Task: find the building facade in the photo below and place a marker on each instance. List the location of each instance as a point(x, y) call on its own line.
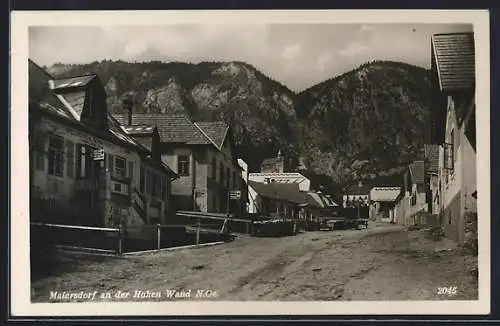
point(84, 167)
point(276, 200)
point(202, 154)
point(454, 78)
point(382, 203)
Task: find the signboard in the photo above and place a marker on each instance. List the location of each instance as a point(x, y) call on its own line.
point(235, 194)
point(98, 154)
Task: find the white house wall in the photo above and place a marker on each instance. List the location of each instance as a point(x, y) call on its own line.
point(63, 188)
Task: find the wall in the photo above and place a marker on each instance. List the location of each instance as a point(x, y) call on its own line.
point(459, 184)
point(62, 188)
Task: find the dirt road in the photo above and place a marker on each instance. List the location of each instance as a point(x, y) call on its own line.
point(378, 263)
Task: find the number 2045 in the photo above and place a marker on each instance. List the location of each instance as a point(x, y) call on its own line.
point(447, 290)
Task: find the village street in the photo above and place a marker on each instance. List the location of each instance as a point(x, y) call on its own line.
point(383, 262)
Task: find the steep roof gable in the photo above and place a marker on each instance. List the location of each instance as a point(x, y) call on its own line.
point(171, 128)
point(454, 58)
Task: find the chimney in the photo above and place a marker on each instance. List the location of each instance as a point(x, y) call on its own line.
point(128, 106)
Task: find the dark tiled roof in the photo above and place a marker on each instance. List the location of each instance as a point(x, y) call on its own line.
point(432, 158)
point(417, 172)
point(455, 60)
point(279, 191)
point(216, 131)
point(171, 128)
point(79, 81)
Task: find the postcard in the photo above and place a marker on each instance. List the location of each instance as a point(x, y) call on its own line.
point(250, 163)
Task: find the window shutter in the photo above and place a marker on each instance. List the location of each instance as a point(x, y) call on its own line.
point(110, 163)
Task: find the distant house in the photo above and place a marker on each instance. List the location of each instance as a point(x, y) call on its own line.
point(280, 177)
point(85, 167)
point(278, 164)
point(319, 204)
point(382, 203)
point(433, 166)
point(356, 193)
point(202, 154)
point(453, 71)
point(276, 200)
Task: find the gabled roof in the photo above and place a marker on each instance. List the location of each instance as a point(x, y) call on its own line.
point(171, 128)
point(216, 131)
point(454, 57)
point(432, 158)
point(417, 172)
point(59, 106)
point(384, 194)
point(279, 191)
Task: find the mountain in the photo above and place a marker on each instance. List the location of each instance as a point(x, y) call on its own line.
point(260, 110)
point(366, 123)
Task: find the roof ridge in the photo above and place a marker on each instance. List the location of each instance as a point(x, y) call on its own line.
point(38, 66)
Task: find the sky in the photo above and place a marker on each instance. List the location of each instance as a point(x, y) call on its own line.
point(297, 55)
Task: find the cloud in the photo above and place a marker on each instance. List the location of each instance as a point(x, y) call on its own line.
point(353, 49)
point(323, 60)
point(292, 52)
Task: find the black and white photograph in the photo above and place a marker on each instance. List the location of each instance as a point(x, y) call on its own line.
point(251, 158)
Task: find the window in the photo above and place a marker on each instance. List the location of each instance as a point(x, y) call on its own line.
point(118, 187)
point(131, 170)
point(120, 166)
point(183, 165)
point(70, 159)
point(56, 151)
point(142, 179)
point(214, 168)
point(39, 152)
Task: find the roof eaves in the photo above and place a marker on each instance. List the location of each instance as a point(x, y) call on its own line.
point(207, 137)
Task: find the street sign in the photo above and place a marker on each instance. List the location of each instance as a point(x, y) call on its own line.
point(99, 154)
point(235, 194)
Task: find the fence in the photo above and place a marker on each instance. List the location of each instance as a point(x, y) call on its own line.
point(119, 240)
point(214, 221)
